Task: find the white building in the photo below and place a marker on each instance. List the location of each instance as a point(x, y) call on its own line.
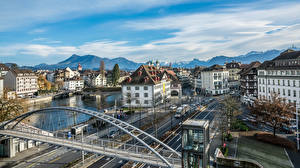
point(1, 87)
point(23, 81)
point(281, 76)
point(98, 80)
point(69, 73)
point(74, 84)
point(148, 86)
point(214, 80)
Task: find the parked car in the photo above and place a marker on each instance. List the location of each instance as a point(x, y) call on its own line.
point(173, 107)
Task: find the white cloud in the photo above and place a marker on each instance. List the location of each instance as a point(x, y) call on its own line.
point(16, 14)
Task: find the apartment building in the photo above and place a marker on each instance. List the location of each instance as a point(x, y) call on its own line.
point(234, 76)
point(215, 80)
point(74, 84)
point(22, 81)
point(281, 76)
point(148, 86)
point(248, 80)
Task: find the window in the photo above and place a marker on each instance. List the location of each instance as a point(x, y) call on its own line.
point(278, 82)
point(273, 90)
point(295, 93)
point(263, 81)
point(268, 81)
point(289, 92)
point(145, 94)
point(128, 87)
point(294, 83)
point(145, 87)
point(259, 89)
point(137, 95)
point(288, 82)
point(259, 81)
point(137, 101)
point(273, 82)
point(264, 89)
point(269, 90)
point(146, 102)
point(283, 92)
point(137, 88)
point(278, 91)
point(283, 84)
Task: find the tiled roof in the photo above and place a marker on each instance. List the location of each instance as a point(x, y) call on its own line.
point(250, 66)
point(145, 75)
point(215, 67)
point(3, 67)
point(288, 54)
point(27, 72)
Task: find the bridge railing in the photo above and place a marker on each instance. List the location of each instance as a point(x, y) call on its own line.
point(105, 145)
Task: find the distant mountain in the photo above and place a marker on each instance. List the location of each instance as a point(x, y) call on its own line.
point(245, 59)
point(90, 62)
point(93, 62)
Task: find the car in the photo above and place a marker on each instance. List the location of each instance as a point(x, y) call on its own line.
point(173, 107)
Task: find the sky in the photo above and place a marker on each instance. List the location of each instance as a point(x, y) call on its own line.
point(49, 31)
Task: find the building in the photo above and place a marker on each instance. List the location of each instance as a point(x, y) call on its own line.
point(69, 73)
point(1, 88)
point(195, 143)
point(234, 76)
point(74, 84)
point(22, 81)
point(183, 76)
point(3, 70)
point(196, 81)
point(148, 86)
point(248, 80)
point(79, 67)
point(98, 80)
point(176, 88)
point(214, 80)
point(281, 76)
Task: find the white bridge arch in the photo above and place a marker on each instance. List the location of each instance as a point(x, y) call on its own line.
point(6, 129)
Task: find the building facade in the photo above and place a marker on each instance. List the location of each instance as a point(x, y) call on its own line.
point(98, 80)
point(3, 70)
point(22, 81)
point(215, 80)
point(281, 76)
point(148, 86)
point(234, 76)
point(74, 84)
point(1, 88)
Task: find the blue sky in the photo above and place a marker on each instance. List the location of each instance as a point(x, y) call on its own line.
point(49, 31)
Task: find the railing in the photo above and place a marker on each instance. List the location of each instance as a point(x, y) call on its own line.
point(95, 145)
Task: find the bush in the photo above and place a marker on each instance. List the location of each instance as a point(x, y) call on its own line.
point(240, 126)
point(275, 140)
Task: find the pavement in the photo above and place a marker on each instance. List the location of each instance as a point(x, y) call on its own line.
point(25, 155)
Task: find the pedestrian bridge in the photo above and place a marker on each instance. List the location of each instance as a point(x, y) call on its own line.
point(145, 153)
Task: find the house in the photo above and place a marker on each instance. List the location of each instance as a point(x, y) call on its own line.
point(148, 86)
point(3, 70)
point(248, 80)
point(97, 80)
point(281, 76)
point(69, 73)
point(214, 80)
point(196, 81)
point(22, 81)
point(73, 84)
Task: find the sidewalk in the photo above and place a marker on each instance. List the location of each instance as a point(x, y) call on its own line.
point(25, 155)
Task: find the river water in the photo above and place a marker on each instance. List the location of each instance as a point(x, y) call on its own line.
point(55, 120)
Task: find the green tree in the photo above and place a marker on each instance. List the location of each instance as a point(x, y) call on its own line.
point(9, 109)
point(115, 75)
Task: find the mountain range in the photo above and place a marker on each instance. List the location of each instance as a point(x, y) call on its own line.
point(93, 62)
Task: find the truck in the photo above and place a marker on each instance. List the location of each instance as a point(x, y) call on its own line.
point(181, 111)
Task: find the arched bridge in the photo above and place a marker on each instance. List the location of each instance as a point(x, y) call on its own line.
point(160, 157)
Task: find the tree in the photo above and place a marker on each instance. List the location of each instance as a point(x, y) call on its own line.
point(275, 112)
point(231, 110)
point(9, 109)
point(115, 75)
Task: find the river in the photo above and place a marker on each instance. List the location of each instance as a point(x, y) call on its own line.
point(55, 120)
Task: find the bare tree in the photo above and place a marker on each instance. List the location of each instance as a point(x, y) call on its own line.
point(231, 110)
point(9, 109)
point(275, 112)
